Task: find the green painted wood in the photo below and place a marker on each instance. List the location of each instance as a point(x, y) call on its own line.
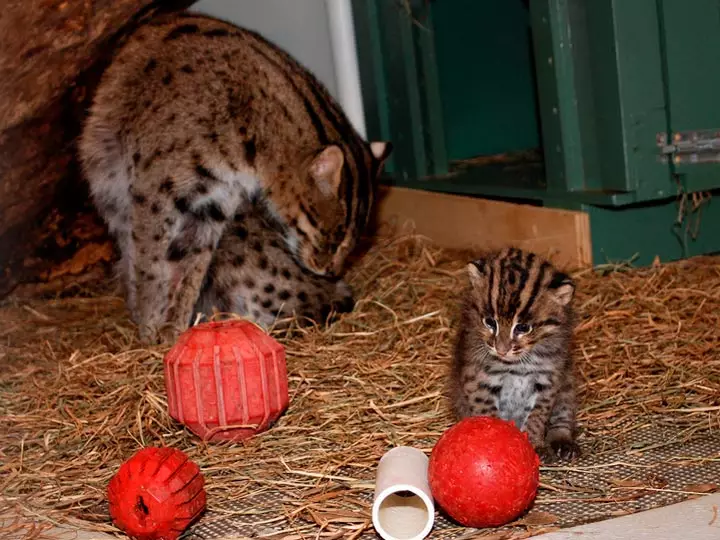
point(601, 92)
point(400, 87)
point(430, 95)
point(691, 42)
point(371, 66)
point(548, 98)
point(556, 53)
point(642, 232)
point(509, 183)
point(404, 103)
point(641, 105)
point(485, 70)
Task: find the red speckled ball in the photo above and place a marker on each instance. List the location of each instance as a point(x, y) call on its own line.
point(484, 472)
point(156, 494)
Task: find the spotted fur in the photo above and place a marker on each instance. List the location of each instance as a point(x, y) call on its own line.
point(254, 274)
point(512, 356)
point(195, 116)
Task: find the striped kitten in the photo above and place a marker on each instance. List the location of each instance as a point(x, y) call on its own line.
point(512, 356)
point(195, 115)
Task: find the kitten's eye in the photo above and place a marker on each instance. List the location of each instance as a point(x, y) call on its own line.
point(522, 328)
point(490, 323)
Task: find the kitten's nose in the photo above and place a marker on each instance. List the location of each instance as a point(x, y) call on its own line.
point(502, 348)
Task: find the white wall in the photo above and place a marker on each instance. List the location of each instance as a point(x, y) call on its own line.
point(317, 33)
point(300, 27)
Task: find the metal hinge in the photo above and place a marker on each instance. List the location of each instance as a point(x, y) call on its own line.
point(690, 146)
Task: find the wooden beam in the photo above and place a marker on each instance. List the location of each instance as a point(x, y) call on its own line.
point(469, 223)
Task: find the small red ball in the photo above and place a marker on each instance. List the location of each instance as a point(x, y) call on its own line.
point(156, 494)
point(484, 472)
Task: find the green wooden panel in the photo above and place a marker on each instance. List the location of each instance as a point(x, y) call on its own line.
point(511, 183)
point(602, 72)
point(692, 51)
point(396, 41)
point(428, 80)
point(565, 70)
point(484, 63)
point(641, 232)
point(546, 59)
point(372, 75)
point(400, 86)
point(601, 94)
point(642, 104)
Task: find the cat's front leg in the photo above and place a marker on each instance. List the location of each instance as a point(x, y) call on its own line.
point(188, 279)
point(167, 290)
point(148, 289)
point(537, 422)
point(475, 393)
point(173, 252)
point(560, 439)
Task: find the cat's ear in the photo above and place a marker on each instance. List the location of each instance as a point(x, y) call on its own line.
point(562, 288)
point(326, 169)
point(477, 274)
point(381, 150)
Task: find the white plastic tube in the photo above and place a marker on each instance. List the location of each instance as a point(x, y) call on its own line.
point(347, 73)
point(403, 508)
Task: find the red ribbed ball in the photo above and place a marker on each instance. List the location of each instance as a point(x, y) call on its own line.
point(484, 472)
point(156, 494)
point(226, 380)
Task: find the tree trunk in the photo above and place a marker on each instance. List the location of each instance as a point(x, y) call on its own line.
point(52, 55)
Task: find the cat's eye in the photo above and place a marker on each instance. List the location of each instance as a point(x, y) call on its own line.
point(490, 323)
point(522, 328)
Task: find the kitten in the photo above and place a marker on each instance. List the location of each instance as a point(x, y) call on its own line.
point(253, 273)
point(195, 115)
point(512, 356)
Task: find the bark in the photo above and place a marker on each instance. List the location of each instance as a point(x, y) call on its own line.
point(52, 53)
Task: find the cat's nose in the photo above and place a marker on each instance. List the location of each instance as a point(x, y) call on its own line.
point(502, 348)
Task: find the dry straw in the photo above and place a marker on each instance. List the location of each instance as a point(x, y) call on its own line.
point(80, 395)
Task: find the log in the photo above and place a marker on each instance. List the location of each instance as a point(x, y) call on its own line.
point(52, 55)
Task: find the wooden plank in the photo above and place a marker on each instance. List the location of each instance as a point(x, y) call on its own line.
point(457, 222)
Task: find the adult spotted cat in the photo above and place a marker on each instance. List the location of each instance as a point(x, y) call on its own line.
point(195, 115)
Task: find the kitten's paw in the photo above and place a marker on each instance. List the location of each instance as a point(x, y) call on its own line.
point(560, 449)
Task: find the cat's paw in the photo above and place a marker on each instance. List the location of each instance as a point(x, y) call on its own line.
point(559, 449)
point(343, 301)
point(168, 335)
point(147, 334)
point(165, 335)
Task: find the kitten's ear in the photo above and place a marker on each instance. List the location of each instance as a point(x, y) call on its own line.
point(476, 273)
point(326, 169)
point(562, 288)
point(381, 150)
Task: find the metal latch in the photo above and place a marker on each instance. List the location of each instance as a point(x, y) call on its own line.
point(690, 146)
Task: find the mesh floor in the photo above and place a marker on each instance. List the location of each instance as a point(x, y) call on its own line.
point(650, 466)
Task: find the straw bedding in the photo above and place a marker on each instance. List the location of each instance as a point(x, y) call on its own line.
point(79, 395)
